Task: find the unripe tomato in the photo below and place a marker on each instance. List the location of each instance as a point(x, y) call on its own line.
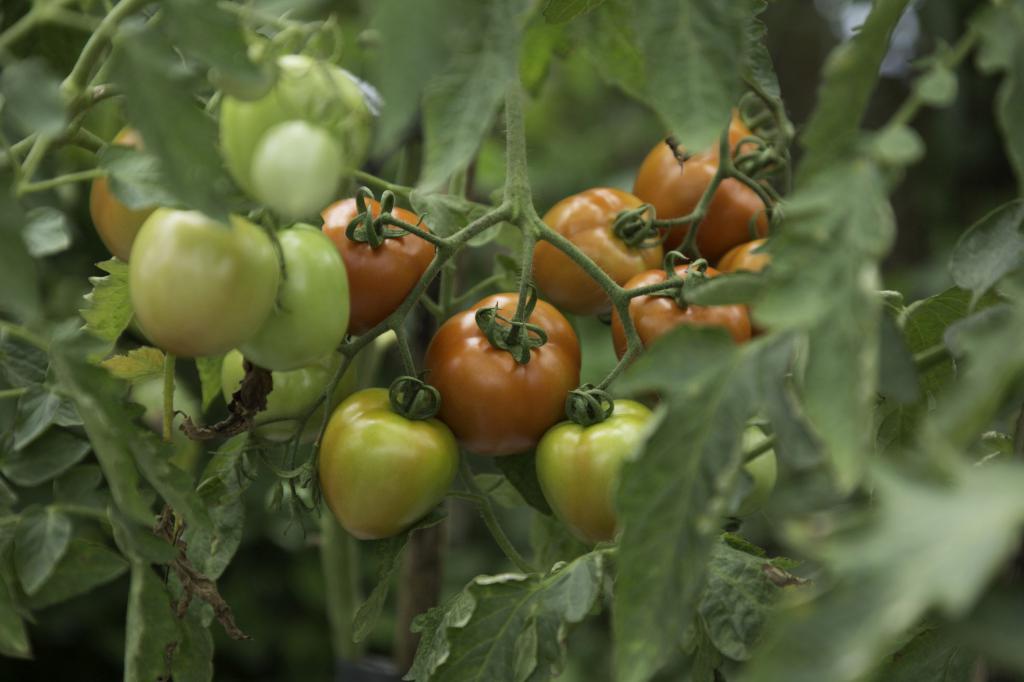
point(116, 224)
point(293, 395)
point(675, 189)
point(311, 315)
point(578, 468)
point(586, 219)
point(742, 258)
point(199, 287)
point(763, 469)
point(494, 405)
point(379, 279)
point(655, 316)
point(381, 472)
point(150, 394)
point(316, 93)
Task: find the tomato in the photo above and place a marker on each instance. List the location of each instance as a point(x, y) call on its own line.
point(578, 468)
point(291, 167)
point(586, 219)
point(741, 258)
point(150, 394)
point(381, 278)
point(311, 315)
point(657, 315)
point(762, 469)
point(675, 190)
point(494, 405)
point(199, 287)
point(115, 223)
point(381, 472)
point(293, 395)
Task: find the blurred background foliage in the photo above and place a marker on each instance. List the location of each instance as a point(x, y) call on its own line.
point(582, 132)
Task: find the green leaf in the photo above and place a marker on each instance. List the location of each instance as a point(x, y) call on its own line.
point(557, 11)
point(540, 42)
point(995, 628)
point(108, 308)
point(19, 279)
point(734, 287)
point(32, 99)
point(137, 541)
point(672, 497)
point(924, 324)
point(499, 489)
point(693, 56)
point(160, 104)
point(388, 556)
point(46, 458)
point(42, 539)
point(47, 231)
point(139, 363)
point(758, 66)
point(932, 655)
point(896, 146)
point(224, 480)
point(13, 636)
point(938, 86)
point(609, 41)
point(552, 542)
point(22, 363)
point(989, 250)
point(446, 214)
point(459, 107)
point(918, 550)
point(507, 627)
point(136, 177)
point(150, 627)
point(1000, 50)
point(80, 485)
point(209, 368)
point(37, 410)
point(850, 76)
point(193, 657)
point(521, 472)
point(85, 566)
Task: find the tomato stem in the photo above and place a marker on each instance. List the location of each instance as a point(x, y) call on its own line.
point(486, 509)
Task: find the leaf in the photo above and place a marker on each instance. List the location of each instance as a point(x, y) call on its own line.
point(13, 636)
point(136, 177)
point(937, 87)
point(160, 104)
point(108, 308)
point(37, 410)
point(19, 278)
point(608, 38)
point(209, 369)
point(932, 655)
point(994, 628)
point(445, 214)
point(758, 66)
point(79, 485)
point(223, 481)
point(150, 626)
point(47, 231)
point(85, 566)
point(22, 363)
point(48, 457)
point(557, 11)
point(731, 288)
point(1000, 50)
point(521, 472)
point(916, 551)
point(459, 107)
point(138, 542)
point(138, 363)
point(896, 146)
point(40, 542)
point(693, 55)
point(924, 324)
point(388, 555)
point(32, 98)
point(193, 657)
point(552, 542)
point(989, 249)
point(672, 498)
point(507, 627)
point(540, 42)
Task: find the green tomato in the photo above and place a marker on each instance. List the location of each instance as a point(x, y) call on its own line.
point(578, 468)
point(381, 472)
point(763, 469)
point(293, 395)
point(296, 169)
point(311, 316)
point(150, 394)
point(199, 287)
point(318, 93)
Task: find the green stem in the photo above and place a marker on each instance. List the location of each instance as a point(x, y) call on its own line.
point(486, 509)
point(168, 408)
point(12, 393)
point(400, 190)
point(517, 181)
point(76, 81)
point(446, 292)
point(529, 241)
point(930, 357)
point(950, 59)
point(475, 290)
point(38, 14)
point(408, 363)
point(80, 176)
point(24, 334)
point(418, 231)
point(764, 446)
point(339, 560)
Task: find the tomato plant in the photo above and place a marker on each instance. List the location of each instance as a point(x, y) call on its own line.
point(115, 223)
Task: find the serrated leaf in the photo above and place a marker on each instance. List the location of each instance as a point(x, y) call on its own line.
point(209, 369)
point(610, 43)
point(85, 566)
point(32, 99)
point(487, 631)
point(46, 458)
point(22, 363)
point(989, 250)
point(932, 655)
point(136, 177)
point(47, 231)
point(13, 635)
point(221, 485)
point(138, 363)
point(150, 626)
point(41, 540)
point(108, 309)
point(558, 11)
point(758, 66)
point(37, 410)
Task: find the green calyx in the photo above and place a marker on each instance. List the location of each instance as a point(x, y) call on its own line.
point(373, 231)
point(636, 227)
point(696, 275)
point(517, 336)
point(588, 405)
point(413, 398)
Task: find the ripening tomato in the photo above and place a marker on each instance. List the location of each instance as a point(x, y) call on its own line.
point(150, 394)
point(199, 287)
point(762, 471)
point(311, 315)
point(578, 468)
point(115, 223)
point(654, 315)
point(294, 394)
point(742, 258)
point(675, 189)
point(381, 472)
point(379, 279)
point(586, 219)
point(494, 405)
